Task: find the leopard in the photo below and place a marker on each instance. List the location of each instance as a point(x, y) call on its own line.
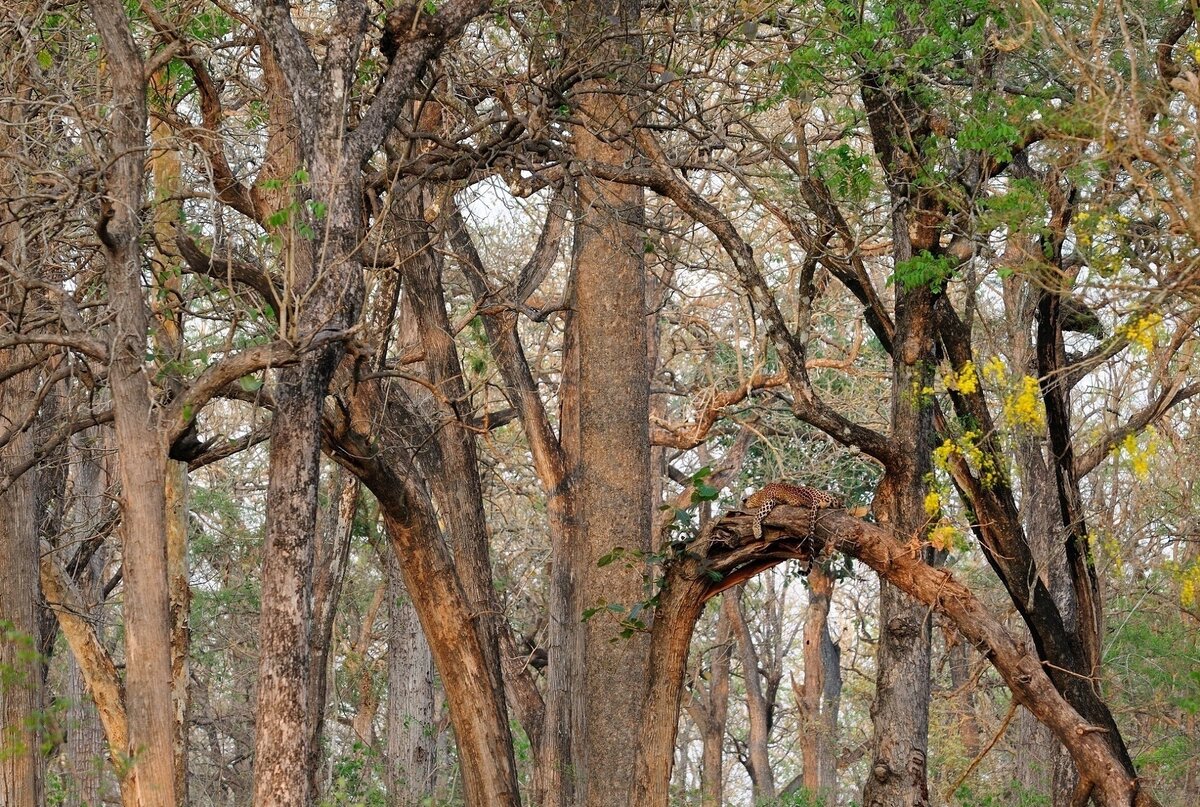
point(762, 502)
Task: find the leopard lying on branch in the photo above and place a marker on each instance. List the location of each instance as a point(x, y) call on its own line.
point(761, 503)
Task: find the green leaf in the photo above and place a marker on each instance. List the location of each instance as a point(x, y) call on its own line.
point(924, 269)
point(617, 553)
point(250, 383)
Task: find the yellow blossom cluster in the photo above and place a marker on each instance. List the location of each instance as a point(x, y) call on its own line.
point(945, 536)
point(966, 380)
point(933, 503)
point(1189, 586)
point(1023, 405)
point(1139, 455)
point(965, 446)
point(1142, 331)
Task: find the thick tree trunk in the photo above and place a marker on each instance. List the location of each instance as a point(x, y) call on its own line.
point(900, 712)
point(167, 341)
point(679, 605)
point(327, 285)
point(143, 452)
point(22, 763)
point(282, 730)
point(610, 450)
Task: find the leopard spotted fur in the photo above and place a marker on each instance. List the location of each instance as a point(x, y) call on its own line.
point(762, 502)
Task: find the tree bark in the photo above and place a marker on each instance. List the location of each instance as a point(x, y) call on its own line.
point(22, 762)
point(820, 694)
point(411, 747)
point(610, 451)
point(143, 452)
point(762, 777)
point(333, 554)
point(84, 753)
point(483, 737)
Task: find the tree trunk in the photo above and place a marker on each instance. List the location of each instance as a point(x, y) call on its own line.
point(610, 450)
point(143, 453)
point(84, 753)
point(762, 777)
point(483, 737)
point(715, 712)
point(449, 461)
point(411, 734)
point(282, 731)
point(327, 591)
point(900, 712)
point(22, 762)
point(820, 695)
point(167, 341)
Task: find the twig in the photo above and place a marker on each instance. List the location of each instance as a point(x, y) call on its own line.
point(1012, 710)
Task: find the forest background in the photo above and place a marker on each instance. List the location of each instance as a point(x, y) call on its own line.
point(379, 384)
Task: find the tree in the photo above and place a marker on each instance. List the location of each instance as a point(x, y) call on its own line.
point(528, 273)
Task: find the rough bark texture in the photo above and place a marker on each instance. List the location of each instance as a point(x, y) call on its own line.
point(143, 452)
point(410, 721)
point(901, 709)
point(21, 694)
point(611, 449)
point(167, 342)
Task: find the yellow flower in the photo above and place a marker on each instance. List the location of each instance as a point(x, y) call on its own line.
point(943, 537)
point(1024, 406)
point(1189, 586)
point(1143, 330)
point(994, 368)
point(966, 380)
point(933, 503)
point(1139, 457)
